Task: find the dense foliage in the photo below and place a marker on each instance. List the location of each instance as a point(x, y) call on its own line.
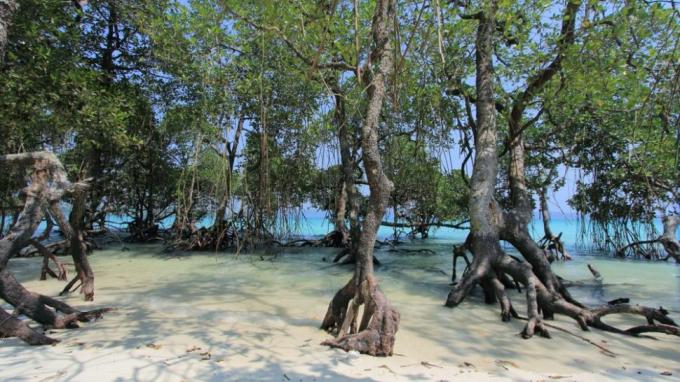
point(226, 114)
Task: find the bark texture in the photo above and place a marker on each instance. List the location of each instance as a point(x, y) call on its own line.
point(375, 334)
point(545, 293)
point(7, 10)
point(47, 185)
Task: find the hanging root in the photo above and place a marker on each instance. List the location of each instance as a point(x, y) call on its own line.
point(379, 323)
point(667, 240)
point(554, 247)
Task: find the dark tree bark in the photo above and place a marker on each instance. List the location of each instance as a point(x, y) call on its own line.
point(48, 184)
point(376, 331)
point(47, 256)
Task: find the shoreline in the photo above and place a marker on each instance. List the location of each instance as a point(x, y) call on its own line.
point(207, 317)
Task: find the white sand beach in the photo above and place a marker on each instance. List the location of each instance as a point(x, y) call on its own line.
point(210, 317)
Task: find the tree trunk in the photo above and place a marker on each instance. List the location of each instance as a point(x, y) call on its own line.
point(7, 10)
point(516, 220)
point(349, 207)
point(48, 184)
point(376, 332)
point(230, 154)
point(73, 230)
point(550, 242)
point(489, 225)
point(668, 239)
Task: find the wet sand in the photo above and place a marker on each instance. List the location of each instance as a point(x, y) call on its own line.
point(212, 317)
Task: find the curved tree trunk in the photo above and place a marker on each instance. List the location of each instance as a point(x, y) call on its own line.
point(516, 220)
point(73, 229)
point(376, 331)
point(544, 291)
point(48, 184)
point(349, 208)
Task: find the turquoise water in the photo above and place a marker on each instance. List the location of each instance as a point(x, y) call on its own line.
point(574, 235)
point(314, 223)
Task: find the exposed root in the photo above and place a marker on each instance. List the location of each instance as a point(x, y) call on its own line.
point(540, 299)
point(70, 321)
point(11, 326)
point(48, 184)
point(337, 309)
point(46, 270)
point(460, 251)
point(379, 323)
point(202, 239)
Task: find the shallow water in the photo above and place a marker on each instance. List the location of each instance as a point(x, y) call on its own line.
point(258, 315)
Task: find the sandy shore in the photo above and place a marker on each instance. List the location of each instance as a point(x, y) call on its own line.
point(212, 318)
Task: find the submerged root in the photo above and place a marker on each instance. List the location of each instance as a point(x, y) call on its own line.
point(380, 321)
point(350, 257)
point(333, 239)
